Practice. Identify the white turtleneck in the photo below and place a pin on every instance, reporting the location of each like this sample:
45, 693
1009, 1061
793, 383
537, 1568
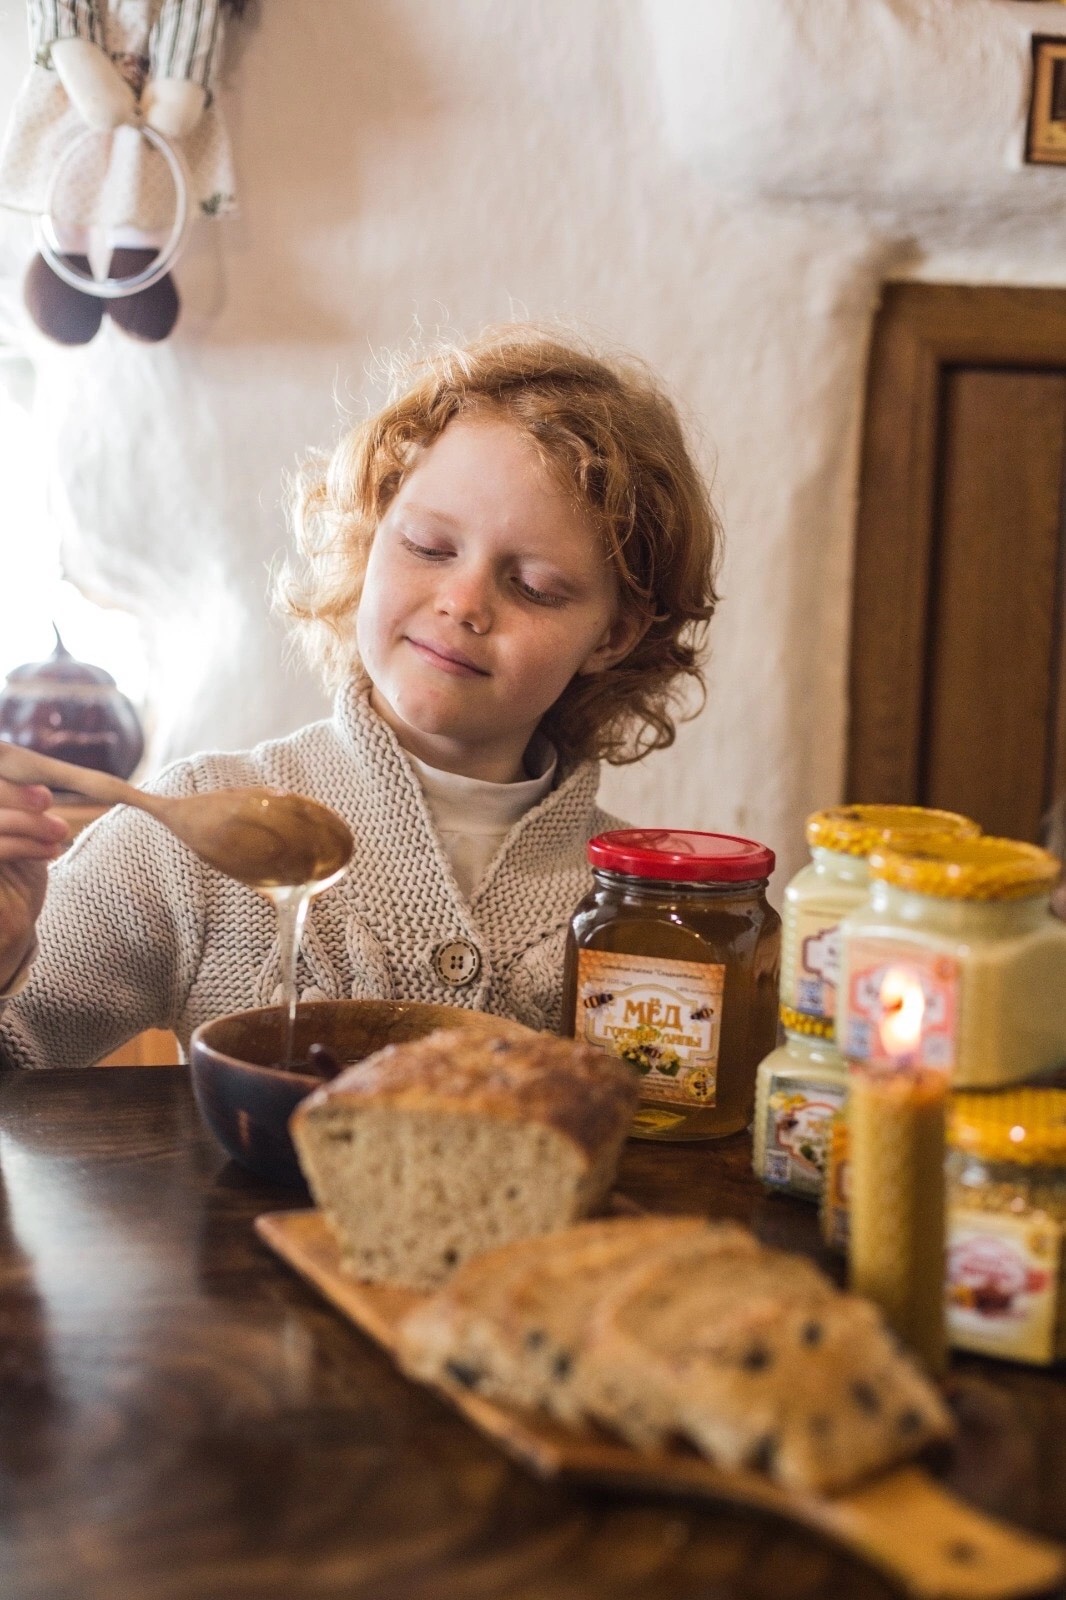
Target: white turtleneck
473, 817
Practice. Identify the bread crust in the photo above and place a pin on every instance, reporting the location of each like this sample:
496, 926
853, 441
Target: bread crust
583, 1093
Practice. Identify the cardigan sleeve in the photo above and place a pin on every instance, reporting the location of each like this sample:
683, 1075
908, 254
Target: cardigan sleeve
185, 40
120, 941
51, 20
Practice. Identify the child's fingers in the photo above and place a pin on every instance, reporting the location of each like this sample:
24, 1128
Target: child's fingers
25, 796
35, 827
14, 848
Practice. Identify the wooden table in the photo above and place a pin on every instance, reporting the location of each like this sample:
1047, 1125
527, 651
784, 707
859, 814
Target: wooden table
182, 1419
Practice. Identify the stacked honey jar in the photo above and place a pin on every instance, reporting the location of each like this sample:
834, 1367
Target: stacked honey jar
923, 998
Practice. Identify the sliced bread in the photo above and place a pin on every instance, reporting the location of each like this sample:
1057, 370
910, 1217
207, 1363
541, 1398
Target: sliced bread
771, 1368
510, 1323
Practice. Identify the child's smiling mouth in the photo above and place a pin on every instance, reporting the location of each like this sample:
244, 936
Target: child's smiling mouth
452, 661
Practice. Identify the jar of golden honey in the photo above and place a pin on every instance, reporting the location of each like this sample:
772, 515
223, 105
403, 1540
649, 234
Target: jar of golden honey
672, 963
1006, 1167
956, 963
834, 884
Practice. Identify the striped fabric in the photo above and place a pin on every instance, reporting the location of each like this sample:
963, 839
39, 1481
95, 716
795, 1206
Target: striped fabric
184, 41
62, 19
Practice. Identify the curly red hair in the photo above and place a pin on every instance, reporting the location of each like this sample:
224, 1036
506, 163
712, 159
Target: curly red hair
607, 430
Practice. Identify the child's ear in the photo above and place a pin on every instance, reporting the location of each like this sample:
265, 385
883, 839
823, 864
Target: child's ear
623, 635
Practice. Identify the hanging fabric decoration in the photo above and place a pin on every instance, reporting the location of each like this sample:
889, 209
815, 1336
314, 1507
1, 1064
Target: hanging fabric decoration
114, 141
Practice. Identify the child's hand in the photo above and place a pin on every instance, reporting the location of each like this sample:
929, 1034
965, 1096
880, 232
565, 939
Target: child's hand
31, 835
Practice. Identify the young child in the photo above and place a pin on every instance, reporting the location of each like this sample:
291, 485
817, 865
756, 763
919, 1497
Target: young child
504, 575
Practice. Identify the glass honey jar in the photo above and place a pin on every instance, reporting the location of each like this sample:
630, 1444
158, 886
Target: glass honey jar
672, 963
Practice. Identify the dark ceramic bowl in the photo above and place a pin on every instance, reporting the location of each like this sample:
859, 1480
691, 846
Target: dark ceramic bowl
246, 1099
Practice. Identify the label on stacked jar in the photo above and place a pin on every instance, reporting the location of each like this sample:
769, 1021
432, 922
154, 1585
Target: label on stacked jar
814, 989
663, 1017
1003, 1284
799, 1115
901, 1005
837, 1191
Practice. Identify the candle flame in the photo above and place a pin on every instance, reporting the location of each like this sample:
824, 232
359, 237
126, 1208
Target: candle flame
902, 1010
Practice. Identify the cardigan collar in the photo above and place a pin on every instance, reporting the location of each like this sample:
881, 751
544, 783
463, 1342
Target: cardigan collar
390, 807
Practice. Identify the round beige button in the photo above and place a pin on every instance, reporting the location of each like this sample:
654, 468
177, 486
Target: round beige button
457, 962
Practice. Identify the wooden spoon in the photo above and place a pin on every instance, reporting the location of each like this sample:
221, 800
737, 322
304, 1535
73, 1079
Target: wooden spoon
266, 838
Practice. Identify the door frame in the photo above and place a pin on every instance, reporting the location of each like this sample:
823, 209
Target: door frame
921, 330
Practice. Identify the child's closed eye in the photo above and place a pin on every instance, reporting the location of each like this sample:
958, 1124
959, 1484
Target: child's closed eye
427, 552
539, 597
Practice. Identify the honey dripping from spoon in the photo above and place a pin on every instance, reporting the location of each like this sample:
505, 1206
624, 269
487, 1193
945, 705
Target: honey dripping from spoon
290, 871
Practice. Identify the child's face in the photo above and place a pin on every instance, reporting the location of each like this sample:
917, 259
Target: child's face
486, 592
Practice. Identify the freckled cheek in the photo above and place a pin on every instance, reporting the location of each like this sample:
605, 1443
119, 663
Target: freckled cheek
549, 659
382, 608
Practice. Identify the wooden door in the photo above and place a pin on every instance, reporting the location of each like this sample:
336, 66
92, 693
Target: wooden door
957, 659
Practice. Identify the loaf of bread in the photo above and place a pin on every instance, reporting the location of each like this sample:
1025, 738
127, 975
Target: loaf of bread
669, 1327
428, 1153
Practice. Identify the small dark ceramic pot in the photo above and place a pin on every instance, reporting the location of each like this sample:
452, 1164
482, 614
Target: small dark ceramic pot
246, 1099
72, 711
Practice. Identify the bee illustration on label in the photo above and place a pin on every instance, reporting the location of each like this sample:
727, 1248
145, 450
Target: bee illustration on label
593, 1002
699, 1084
702, 1014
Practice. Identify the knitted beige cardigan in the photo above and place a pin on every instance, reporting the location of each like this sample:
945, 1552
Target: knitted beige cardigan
137, 932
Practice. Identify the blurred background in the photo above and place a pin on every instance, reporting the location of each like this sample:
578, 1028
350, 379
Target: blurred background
758, 198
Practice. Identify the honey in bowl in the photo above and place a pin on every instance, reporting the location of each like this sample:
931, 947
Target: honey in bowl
672, 963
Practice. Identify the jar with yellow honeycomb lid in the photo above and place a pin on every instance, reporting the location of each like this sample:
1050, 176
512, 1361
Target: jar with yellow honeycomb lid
955, 962
833, 884
1006, 1175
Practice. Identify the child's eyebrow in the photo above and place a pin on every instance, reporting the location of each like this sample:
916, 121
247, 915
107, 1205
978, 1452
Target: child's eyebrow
429, 512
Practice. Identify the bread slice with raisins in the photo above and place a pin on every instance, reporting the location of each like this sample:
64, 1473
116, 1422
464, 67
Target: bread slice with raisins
510, 1323
762, 1364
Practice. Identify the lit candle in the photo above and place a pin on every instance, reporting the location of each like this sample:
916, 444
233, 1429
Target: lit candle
896, 1129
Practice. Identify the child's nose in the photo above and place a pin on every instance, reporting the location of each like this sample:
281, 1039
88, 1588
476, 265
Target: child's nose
466, 597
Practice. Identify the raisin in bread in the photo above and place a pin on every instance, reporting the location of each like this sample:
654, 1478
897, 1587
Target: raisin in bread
431, 1152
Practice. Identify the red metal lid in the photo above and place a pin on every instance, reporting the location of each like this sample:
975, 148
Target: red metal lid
679, 856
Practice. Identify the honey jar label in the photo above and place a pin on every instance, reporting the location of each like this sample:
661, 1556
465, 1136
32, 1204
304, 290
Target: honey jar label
664, 1017
1003, 1284
799, 1115
901, 1005
814, 988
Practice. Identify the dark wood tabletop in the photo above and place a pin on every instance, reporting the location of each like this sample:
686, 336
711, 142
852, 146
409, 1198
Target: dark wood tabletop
181, 1418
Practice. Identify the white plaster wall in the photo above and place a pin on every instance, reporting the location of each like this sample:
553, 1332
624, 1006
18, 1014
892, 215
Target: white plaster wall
719, 185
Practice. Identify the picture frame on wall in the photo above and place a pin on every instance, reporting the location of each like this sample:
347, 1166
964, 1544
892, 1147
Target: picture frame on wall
1045, 142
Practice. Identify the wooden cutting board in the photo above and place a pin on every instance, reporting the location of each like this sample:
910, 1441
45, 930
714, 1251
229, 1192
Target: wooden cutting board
919, 1534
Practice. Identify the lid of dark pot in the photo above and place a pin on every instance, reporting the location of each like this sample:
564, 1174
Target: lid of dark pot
61, 667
